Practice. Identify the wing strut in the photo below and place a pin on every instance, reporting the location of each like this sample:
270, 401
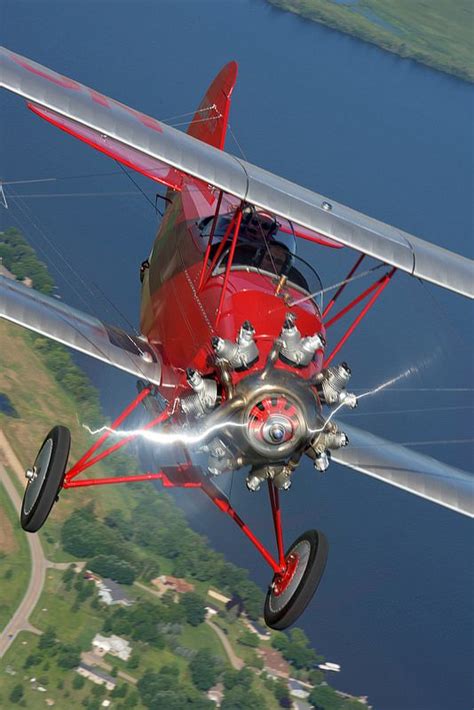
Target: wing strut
378, 287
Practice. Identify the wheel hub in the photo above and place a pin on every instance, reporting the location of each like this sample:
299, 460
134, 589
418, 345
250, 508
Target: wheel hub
31, 473
36, 476
281, 581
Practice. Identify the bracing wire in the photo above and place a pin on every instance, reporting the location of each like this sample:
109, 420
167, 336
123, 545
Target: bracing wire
47, 195
95, 346
267, 246
189, 113
410, 411
154, 205
35, 224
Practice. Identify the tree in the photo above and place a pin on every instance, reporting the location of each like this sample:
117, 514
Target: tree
253, 599
92, 703
323, 697
86, 592
295, 648
69, 656
98, 691
241, 698
248, 638
134, 660
279, 640
194, 608
68, 574
157, 690
113, 567
78, 682
282, 693
120, 691
32, 660
133, 699
203, 669
17, 693
48, 639
243, 678
316, 677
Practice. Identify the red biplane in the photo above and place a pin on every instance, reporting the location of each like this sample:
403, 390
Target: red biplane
233, 359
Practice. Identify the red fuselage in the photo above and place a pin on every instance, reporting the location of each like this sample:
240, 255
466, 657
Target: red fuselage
180, 318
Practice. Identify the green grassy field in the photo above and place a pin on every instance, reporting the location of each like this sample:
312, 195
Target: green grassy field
14, 559
57, 682
40, 403
439, 33
55, 608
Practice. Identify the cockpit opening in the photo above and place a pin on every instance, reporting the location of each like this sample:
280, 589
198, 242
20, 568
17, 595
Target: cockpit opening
262, 246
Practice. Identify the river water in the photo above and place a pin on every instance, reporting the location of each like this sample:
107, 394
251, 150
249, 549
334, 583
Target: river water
381, 134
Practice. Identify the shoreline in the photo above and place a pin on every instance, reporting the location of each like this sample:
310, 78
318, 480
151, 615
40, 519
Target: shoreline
339, 17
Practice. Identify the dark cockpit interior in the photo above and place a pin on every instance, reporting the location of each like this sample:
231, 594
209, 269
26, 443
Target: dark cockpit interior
262, 246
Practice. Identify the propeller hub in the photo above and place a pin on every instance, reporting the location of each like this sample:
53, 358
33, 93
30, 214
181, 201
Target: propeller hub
273, 422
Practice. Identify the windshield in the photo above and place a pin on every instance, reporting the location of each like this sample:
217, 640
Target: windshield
262, 246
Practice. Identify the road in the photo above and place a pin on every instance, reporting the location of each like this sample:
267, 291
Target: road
39, 563
236, 662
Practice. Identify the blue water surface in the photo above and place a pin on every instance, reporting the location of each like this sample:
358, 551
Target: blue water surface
372, 130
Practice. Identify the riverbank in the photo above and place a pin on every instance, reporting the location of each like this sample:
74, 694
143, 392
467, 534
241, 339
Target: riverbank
438, 34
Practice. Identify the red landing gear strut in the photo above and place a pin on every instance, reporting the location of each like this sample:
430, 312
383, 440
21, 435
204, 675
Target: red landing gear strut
284, 600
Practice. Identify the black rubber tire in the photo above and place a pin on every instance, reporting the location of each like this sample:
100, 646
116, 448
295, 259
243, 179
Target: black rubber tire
34, 514
301, 596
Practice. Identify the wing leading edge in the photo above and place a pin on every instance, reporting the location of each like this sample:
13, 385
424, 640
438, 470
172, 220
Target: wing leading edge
408, 470
130, 135
54, 319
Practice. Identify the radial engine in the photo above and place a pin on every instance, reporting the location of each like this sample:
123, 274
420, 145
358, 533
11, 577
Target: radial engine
272, 416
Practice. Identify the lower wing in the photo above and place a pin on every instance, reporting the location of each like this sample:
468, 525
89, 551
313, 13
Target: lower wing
54, 319
407, 469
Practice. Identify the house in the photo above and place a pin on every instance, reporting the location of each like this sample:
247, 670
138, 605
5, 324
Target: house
273, 663
261, 631
216, 694
298, 690
218, 596
165, 583
96, 676
112, 593
237, 602
115, 645
301, 705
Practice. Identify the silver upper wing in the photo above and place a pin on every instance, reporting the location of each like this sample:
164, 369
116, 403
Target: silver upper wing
407, 469
143, 141
82, 332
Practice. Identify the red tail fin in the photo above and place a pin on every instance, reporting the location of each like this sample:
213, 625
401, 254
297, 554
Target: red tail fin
210, 120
